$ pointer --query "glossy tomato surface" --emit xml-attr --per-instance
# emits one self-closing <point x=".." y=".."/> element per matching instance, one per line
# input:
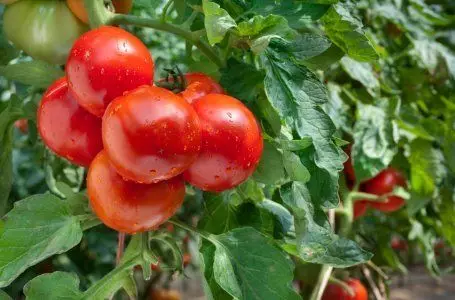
<point x="44" y="29"/>
<point x="66" y="128"/>
<point x="78" y="8"/>
<point x="360" y="208"/>
<point x="382" y="184"/>
<point x="231" y="144"/>
<point x="336" y="292"/>
<point x="105" y="63"/>
<point x="199" y="85"/>
<point x="151" y="134"/>
<point x="127" y="206"/>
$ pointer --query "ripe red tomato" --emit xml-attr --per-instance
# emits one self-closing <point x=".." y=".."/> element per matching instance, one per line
<point x="22" y="125"/>
<point x="231" y="144"/>
<point x="348" y="167"/>
<point x="128" y="206"/>
<point x="399" y="244"/>
<point x="103" y="64"/>
<point x="66" y="128"/>
<point x="336" y="292"/>
<point x="382" y="184"/>
<point x="199" y="85"/>
<point x="151" y="134"/>
<point x="162" y="294"/>
<point x="360" y="208"/>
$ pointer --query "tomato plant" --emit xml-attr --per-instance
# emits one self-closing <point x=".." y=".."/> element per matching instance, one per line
<point x="44" y="29"/>
<point x="290" y="146"/>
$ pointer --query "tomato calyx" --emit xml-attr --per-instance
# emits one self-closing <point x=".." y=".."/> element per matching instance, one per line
<point x="174" y="80"/>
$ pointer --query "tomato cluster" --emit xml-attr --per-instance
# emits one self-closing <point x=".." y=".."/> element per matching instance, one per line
<point x="140" y="140"/>
<point x="382" y="184"/>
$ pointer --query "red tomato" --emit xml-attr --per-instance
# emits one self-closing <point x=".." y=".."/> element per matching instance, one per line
<point x="162" y="294"/>
<point x="66" y="128"/>
<point x="348" y="168"/>
<point x="231" y="144"/>
<point x="398" y="244"/>
<point x="151" y="134"/>
<point x="382" y="184"/>
<point x="336" y="292"/>
<point x="104" y="63"/>
<point x="360" y="208"/>
<point x="128" y="206"/>
<point x="199" y="85"/>
<point x="22" y="125"/>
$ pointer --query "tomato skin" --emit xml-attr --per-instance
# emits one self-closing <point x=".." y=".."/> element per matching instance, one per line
<point x="78" y="8"/>
<point x="336" y="292"/>
<point x="384" y="183"/>
<point x="104" y="63"/>
<point x="360" y="208"/>
<point x="161" y="294"/>
<point x="66" y="128"/>
<point x="44" y="29"/>
<point x="199" y="85"/>
<point x="151" y="134"/>
<point x="128" y="206"/>
<point x="231" y="144"/>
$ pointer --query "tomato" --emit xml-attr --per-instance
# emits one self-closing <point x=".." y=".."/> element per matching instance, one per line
<point x="336" y="292"/>
<point x="105" y="63"/>
<point x="348" y="167"/>
<point x="151" y="134"/>
<point x="44" y="29"/>
<point x="128" y="206"/>
<point x="78" y="8"/>
<point x="360" y="208"/>
<point x="231" y="144"/>
<point x="199" y="85"/>
<point x="161" y="294"/>
<point x="186" y="259"/>
<point x="399" y="244"/>
<point x="66" y="128"/>
<point x="22" y="125"/>
<point x="382" y="184"/>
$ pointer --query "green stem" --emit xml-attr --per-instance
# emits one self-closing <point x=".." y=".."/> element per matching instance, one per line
<point x="182" y="225"/>
<point x="323" y="279"/>
<point x="165" y="10"/>
<point x="120" y="19"/>
<point x="348" y="217"/>
<point x="97" y="13"/>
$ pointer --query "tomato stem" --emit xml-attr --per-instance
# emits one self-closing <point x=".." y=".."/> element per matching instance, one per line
<point x="119" y="19"/>
<point x="184" y="226"/>
<point x="342" y="284"/>
<point x="165" y="10"/>
<point x="120" y="246"/>
<point x="323" y="279"/>
<point x="97" y="12"/>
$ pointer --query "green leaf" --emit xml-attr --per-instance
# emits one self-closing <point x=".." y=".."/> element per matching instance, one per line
<point x="220" y="213"/>
<point x="7" y="52"/>
<point x="294" y="167"/>
<point x="270" y="169"/>
<point x="337" y="109"/>
<point x="325" y="60"/>
<point x="36" y="228"/>
<point x="217" y="21"/>
<point x="362" y="72"/>
<point x="241" y="80"/>
<point x="4" y="296"/>
<point x="248" y="266"/>
<point x="53" y="286"/>
<point x="283" y="215"/>
<point x="316" y="243"/>
<point x="259" y="30"/>
<point x="427" y="167"/>
<point x="347" y="33"/>
<point x="11" y="113"/>
<point x="430" y="53"/>
<point x="375" y="137"/>
<point x="307" y="45"/>
<point x="35" y="72"/>
<point x="446" y="214"/>
<point x="212" y="289"/>
<point x="251" y="215"/>
<point x="251" y="190"/>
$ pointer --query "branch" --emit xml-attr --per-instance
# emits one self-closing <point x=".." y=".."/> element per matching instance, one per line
<point x="323" y="279"/>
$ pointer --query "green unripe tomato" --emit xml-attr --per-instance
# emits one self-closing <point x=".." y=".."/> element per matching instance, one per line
<point x="44" y="29"/>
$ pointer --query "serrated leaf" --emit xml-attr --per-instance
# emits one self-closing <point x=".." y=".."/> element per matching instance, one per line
<point x="308" y="45"/>
<point x="315" y="241"/>
<point x="346" y="32"/>
<point x="294" y="167"/>
<point x="375" y="137"/>
<point x="270" y="169"/>
<point x="53" y="286"/>
<point x="36" y="73"/>
<point x="247" y="266"/>
<point x="219" y="213"/>
<point x="337" y="109"/>
<point x="241" y="80"/>
<point x="217" y="21"/>
<point x="362" y="72"/>
<point x="36" y="228"/>
<point x="325" y="59"/>
<point x="259" y="30"/>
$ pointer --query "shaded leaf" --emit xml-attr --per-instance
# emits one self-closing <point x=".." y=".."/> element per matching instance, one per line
<point x="35" y="72"/>
<point x="53" y="286"/>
